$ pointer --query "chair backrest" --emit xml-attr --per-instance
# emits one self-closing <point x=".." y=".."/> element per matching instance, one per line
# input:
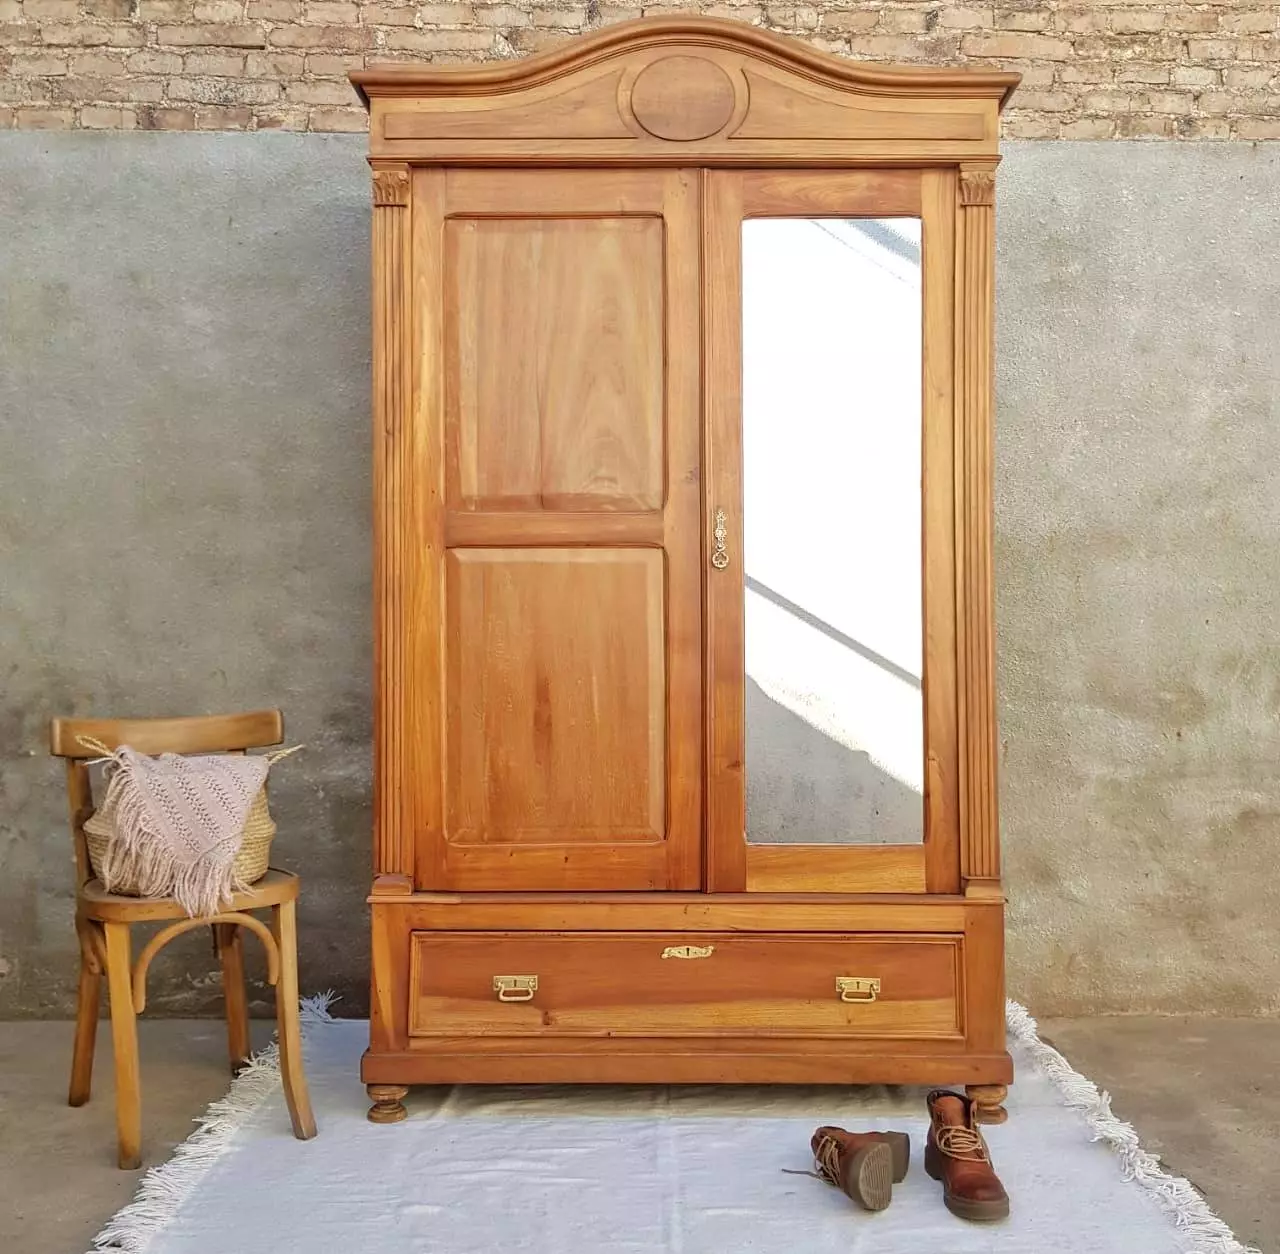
<point x="215" y="733"/>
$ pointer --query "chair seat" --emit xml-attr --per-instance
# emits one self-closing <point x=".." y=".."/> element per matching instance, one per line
<point x="96" y="903"/>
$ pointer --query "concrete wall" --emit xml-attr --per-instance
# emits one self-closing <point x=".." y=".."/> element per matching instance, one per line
<point x="1138" y="574"/>
<point x="184" y="502"/>
<point x="184" y="492"/>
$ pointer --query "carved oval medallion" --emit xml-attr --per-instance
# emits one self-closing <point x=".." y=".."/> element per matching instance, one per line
<point x="682" y="98"/>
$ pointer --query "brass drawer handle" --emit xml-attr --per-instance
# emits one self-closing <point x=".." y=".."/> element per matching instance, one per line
<point x="688" y="951"/>
<point x="857" y="988"/>
<point x="515" y="987"/>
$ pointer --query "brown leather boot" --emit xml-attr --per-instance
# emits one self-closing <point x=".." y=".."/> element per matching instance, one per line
<point x="957" y="1155"/>
<point x="866" y="1165"/>
<point x="899" y="1144"/>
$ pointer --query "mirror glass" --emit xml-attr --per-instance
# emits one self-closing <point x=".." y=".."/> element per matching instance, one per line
<point x="831" y="411"/>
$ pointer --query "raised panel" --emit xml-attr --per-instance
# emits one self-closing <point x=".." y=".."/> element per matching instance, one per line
<point x="583" y="108"/>
<point x="659" y="983"/>
<point x="781" y="107"/>
<point x="554" y="363"/>
<point x="555" y="696"/>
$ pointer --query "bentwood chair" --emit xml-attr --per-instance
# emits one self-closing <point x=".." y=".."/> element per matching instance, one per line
<point x="104" y="920"/>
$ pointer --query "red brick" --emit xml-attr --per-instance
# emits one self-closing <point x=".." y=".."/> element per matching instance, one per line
<point x="37" y="64"/>
<point x="338" y="120"/>
<point x="845" y="22"/>
<point x="225" y="35"/>
<point x="273" y="10"/>
<point x="352" y="37"/>
<point x="148" y="62"/>
<point x="1132" y="21"/>
<point x="46" y="119"/>
<point x="1034" y="47"/>
<point x="83" y="35"/>
<point x="333" y="64"/>
<point x="1088" y="128"/>
<point x="1023" y="19"/>
<point x="222" y="91"/>
<point x="1140" y="127"/>
<point x="53" y="10"/>
<point x="223" y="119"/>
<point x="102" y="118"/>
<point x="1258" y="128"/>
<point x="105" y="63"/>
<point x="321" y="94"/>
<point x="157" y="119"/>
<point x="327" y="13"/>
<point x="1262" y="21"/>
<point x="214" y="64"/>
<point x="281" y="120"/>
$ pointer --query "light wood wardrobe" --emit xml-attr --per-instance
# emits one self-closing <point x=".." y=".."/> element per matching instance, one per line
<point x="686" y="752"/>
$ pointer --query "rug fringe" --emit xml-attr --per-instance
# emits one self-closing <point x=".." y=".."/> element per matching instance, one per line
<point x="1179" y="1197"/>
<point x="165" y="1187"/>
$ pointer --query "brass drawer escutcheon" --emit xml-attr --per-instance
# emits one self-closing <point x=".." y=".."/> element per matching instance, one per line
<point x="688" y="951"/>
<point x="515" y="987"/>
<point x="857" y="988"/>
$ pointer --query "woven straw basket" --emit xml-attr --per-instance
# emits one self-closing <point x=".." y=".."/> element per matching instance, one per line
<point x="251" y="861"/>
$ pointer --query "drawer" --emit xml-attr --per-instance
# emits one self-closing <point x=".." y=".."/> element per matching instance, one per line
<point x="663" y="984"/>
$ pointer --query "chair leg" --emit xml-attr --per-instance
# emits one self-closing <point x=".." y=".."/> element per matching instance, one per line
<point x="227" y="940"/>
<point x="124" y="1040"/>
<point x="289" y="1030"/>
<point x="87" y="1001"/>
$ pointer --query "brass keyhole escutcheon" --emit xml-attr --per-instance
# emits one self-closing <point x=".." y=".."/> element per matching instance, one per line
<point x="688" y="951"/>
<point x="720" y="539"/>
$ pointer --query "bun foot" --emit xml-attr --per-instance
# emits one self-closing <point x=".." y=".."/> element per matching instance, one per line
<point x="988" y="1100"/>
<point x="387" y="1105"/>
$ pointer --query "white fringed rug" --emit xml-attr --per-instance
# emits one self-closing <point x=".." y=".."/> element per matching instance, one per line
<point x="640" y="1171"/>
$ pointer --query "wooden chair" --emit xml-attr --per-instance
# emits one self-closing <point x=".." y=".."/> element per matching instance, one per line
<point x="103" y="922"/>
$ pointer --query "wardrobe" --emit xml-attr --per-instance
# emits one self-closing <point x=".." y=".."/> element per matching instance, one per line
<point x="685" y="740"/>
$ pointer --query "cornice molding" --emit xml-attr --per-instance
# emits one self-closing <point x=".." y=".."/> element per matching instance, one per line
<point x="672" y="33"/>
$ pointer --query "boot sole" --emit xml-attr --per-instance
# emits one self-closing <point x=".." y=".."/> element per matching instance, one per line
<point x="962" y="1207"/>
<point x="869" y="1177"/>
<point x="899" y="1144"/>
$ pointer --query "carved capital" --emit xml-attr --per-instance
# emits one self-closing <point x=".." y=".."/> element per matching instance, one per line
<point x="391" y="188"/>
<point x="977" y="187"/>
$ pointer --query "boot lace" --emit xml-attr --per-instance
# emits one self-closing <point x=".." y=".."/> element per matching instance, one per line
<point x="960" y="1142"/>
<point x="826" y="1158"/>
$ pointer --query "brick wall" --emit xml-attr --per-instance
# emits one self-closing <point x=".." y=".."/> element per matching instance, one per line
<point x="1093" y="69"/>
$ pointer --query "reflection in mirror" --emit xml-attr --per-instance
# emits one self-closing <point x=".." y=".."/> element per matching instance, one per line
<point x="831" y="414"/>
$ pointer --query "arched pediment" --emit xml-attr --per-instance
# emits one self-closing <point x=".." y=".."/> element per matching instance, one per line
<point x="683" y="90"/>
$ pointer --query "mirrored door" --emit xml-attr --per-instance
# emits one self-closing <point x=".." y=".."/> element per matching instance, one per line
<point x="831" y="510"/>
<point x="831" y="575"/>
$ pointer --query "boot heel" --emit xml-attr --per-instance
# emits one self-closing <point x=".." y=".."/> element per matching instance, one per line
<point x="869" y="1177"/>
<point x="900" y="1145"/>
<point x="932" y="1167"/>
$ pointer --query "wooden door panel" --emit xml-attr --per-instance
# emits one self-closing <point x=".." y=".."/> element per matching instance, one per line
<point x="553" y="521"/>
<point x="527" y="303"/>
<point x="555" y="717"/>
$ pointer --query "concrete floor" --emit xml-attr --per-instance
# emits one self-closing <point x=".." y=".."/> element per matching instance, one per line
<point x="1203" y="1093"/>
